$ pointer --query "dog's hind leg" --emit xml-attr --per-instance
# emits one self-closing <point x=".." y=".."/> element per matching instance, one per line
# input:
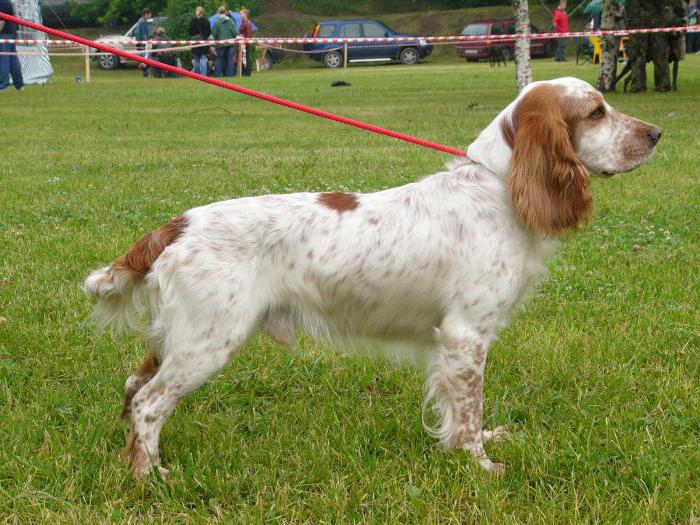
<point x="199" y="340"/>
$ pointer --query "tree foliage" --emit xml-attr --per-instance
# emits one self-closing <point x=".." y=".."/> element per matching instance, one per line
<point x="338" y="7"/>
<point x="114" y="12"/>
<point x="179" y="12"/>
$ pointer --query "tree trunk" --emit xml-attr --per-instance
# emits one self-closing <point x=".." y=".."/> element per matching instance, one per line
<point x="608" y="62"/>
<point x="523" y="72"/>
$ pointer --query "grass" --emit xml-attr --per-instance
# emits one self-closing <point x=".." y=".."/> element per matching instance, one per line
<point x="597" y="376"/>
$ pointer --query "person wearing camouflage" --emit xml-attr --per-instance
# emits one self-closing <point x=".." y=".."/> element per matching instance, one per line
<point x="640" y="14"/>
<point x="659" y="48"/>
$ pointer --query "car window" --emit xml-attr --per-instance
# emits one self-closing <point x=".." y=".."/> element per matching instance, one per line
<point x="475" y="30"/>
<point x="533" y="29"/>
<point x="373" y="30"/>
<point x="510" y="29"/>
<point x="351" y="31"/>
<point x="326" y="31"/>
<point x="497" y="29"/>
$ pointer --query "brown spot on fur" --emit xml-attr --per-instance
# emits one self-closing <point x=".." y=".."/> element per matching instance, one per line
<point x="146" y="370"/>
<point x="141" y="256"/>
<point x="338" y="201"/>
<point x="469" y="407"/>
<point x="134" y="454"/>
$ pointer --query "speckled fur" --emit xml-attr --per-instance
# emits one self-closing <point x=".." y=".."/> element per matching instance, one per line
<point x="436" y="266"/>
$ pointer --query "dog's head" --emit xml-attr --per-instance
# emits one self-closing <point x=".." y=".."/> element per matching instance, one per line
<point x="550" y="140"/>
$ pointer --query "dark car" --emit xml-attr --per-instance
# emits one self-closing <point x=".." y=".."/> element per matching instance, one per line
<point x="473" y="50"/>
<point x="408" y="51"/>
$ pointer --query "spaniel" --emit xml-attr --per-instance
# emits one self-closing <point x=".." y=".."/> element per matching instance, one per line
<point x="435" y="267"/>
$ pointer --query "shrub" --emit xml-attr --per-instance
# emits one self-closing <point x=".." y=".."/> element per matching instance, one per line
<point x="113" y="12"/>
<point x="179" y="12"/>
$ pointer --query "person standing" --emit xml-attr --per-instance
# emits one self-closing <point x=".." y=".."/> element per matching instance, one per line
<point x="142" y="33"/>
<point x="693" y="38"/>
<point x="160" y="54"/>
<point x="246" y="31"/>
<point x="224" y="29"/>
<point x="9" y="63"/>
<point x="560" y="21"/>
<point x="199" y="29"/>
<point x="639" y="14"/>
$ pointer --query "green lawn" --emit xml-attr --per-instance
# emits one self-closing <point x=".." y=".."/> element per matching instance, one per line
<point x="597" y="377"/>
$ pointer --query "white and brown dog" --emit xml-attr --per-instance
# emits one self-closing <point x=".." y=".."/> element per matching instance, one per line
<point x="438" y="264"/>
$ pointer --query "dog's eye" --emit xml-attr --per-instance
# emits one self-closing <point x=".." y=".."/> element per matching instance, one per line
<point x="597" y="113"/>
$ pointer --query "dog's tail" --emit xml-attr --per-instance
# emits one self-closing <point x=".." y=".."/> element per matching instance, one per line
<point x="119" y="286"/>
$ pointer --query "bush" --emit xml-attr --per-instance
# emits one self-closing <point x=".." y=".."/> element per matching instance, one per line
<point x="338" y="7"/>
<point x="114" y="12"/>
<point x="180" y="12"/>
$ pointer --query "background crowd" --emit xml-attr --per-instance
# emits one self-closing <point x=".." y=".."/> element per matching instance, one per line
<point x="223" y="25"/>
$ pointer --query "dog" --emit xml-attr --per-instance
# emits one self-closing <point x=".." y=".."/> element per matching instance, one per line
<point x="435" y="267"/>
<point x="498" y="55"/>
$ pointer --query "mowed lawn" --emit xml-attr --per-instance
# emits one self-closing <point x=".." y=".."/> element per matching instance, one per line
<point x="597" y="377"/>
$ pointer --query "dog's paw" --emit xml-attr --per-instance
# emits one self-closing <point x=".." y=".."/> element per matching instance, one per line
<point x="495" y="435"/>
<point x="497" y="469"/>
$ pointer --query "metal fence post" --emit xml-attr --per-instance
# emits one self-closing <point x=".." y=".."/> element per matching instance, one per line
<point x="345" y="56"/>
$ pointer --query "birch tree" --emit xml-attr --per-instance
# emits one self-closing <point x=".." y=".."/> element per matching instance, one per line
<point x="523" y="71"/>
<point x="608" y="62"/>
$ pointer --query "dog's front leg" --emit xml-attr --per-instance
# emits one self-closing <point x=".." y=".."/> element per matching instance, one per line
<point x="455" y="387"/>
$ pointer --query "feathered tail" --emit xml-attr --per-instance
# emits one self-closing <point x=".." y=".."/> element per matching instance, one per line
<point x="119" y="287"/>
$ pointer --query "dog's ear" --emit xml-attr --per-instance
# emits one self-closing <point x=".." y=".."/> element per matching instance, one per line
<point x="548" y="185"/>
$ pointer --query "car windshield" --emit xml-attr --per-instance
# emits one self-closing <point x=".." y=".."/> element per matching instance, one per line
<point x="476" y="30"/>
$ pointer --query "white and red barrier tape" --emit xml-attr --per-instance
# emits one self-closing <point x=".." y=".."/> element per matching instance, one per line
<point x="421" y="40"/>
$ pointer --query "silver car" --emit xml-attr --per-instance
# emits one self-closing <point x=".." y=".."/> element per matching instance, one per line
<point x="125" y="42"/>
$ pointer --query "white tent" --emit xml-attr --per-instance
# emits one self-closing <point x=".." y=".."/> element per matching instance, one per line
<point x="36" y="66"/>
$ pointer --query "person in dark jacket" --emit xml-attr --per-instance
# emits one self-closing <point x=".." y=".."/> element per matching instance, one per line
<point x="199" y="29"/>
<point x="164" y="57"/>
<point x="224" y="29"/>
<point x="141" y="34"/>
<point x="9" y="64"/>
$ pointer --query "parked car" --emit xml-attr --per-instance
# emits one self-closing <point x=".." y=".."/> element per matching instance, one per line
<point x="107" y="61"/>
<point x="408" y="51"/>
<point x="473" y="50"/>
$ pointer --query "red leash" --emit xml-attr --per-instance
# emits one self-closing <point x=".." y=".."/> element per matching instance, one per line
<point x="233" y="87"/>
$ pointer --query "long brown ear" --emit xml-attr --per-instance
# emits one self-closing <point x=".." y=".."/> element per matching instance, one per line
<point x="548" y="185"/>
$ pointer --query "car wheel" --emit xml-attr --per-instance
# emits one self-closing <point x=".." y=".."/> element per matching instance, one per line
<point x="507" y="54"/>
<point x="409" y="56"/>
<point x="332" y="59"/>
<point x="550" y="49"/>
<point x="108" y="61"/>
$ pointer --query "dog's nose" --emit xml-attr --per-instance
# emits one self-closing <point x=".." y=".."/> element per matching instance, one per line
<point x="654" y="135"/>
